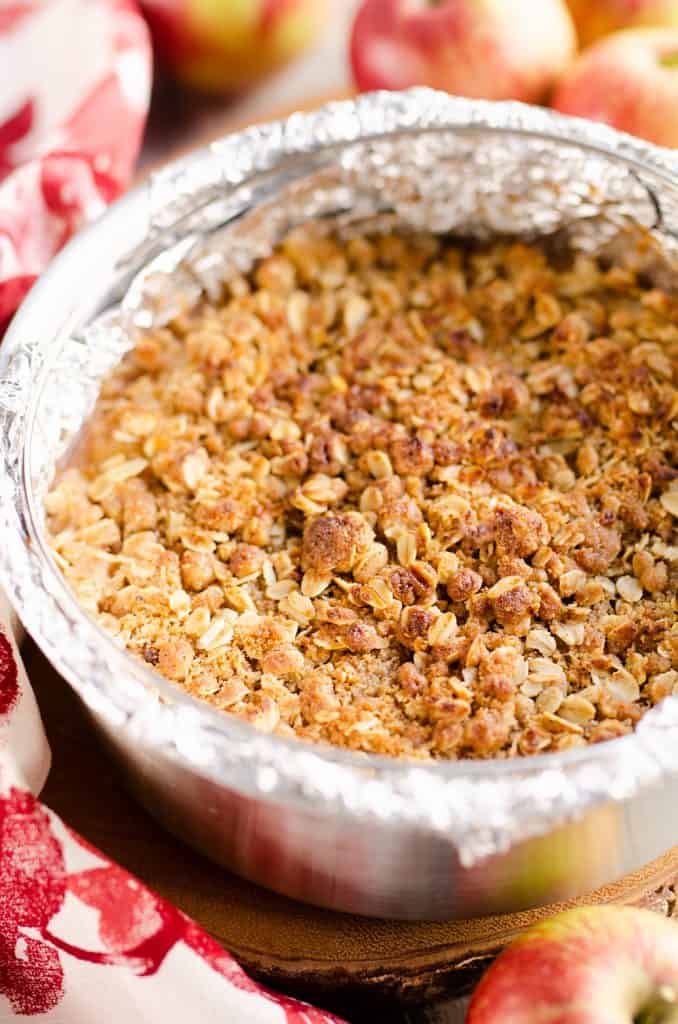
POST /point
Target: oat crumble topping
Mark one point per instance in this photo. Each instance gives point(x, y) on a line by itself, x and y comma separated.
point(397, 494)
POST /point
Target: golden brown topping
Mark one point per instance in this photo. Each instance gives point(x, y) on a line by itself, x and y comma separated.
point(197, 570)
point(174, 658)
point(620, 632)
point(602, 545)
point(397, 494)
point(361, 637)
point(246, 560)
point(328, 454)
point(652, 576)
point(411, 456)
point(462, 584)
point(410, 679)
point(512, 600)
point(283, 660)
point(519, 531)
point(487, 732)
point(550, 605)
point(333, 543)
point(414, 625)
point(223, 516)
point(139, 507)
point(413, 585)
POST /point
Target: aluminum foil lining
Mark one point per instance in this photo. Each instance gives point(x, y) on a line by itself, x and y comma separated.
point(416, 160)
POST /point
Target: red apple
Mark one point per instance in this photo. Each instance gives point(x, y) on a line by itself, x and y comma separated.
point(593, 965)
point(597, 18)
point(223, 45)
point(629, 80)
point(488, 49)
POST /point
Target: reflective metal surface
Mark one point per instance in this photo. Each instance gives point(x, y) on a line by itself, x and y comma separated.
point(353, 832)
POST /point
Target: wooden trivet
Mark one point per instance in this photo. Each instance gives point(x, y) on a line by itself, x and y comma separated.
point(336, 960)
point(317, 953)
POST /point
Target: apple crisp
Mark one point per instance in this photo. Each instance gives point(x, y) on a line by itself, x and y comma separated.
point(399, 494)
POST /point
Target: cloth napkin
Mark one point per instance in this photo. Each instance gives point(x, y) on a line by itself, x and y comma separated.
point(81, 940)
point(75, 79)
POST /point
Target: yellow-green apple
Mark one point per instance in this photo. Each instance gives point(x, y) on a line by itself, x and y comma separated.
point(629, 80)
point(596, 18)
point(592, 965)
point(223, 45)
point(487, 49)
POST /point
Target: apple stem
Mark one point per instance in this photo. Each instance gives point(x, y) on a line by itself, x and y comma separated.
point(663, 1009)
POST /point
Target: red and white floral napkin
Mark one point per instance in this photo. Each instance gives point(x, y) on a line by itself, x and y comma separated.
point(81, 940)
point(75, 80)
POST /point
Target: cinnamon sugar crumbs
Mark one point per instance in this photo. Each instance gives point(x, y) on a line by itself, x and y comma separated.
point(395, 494)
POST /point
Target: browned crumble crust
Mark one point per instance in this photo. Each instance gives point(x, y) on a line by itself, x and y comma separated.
point(398, 495)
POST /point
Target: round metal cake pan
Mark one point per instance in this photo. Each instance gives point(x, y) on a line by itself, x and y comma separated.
point(355, 833)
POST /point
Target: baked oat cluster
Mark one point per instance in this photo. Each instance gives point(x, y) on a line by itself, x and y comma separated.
point(397, 494)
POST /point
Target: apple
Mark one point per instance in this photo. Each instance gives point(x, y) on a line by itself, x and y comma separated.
point(592, 965)
point(596, 18)
point(629, 80)
point(221, 46)
point(487, 49)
